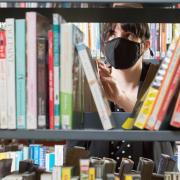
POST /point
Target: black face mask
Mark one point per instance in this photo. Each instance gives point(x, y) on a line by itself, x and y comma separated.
point(122, 53)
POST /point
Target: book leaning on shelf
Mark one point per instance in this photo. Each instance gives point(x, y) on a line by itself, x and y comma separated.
point(101, 102)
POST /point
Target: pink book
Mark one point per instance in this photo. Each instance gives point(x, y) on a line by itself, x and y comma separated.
point(37, 25)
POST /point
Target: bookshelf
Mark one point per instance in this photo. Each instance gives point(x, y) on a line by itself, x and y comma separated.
point(163, 15)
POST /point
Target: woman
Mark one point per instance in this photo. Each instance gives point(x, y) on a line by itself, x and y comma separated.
point(122, 75)
point(124, 45)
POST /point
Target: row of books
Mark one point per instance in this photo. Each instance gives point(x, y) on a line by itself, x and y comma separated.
point(83, 167)
point(52, 5)
point(68, 5)
point(159, 106)
point(45, 157)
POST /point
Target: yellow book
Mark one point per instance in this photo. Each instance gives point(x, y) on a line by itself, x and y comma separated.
point(91, 173)
point(146, 108)
point(128, 177)
point(66, 173)
point(4, 155)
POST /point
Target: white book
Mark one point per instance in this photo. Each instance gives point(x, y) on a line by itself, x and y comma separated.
point(100, 100)
point(3, 82)
point(12, 155)
point(11, 84)
point(46, 176)
point(59, 155)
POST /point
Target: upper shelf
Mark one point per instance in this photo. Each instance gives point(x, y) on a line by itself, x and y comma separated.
point(100, 1)
point(126, 15)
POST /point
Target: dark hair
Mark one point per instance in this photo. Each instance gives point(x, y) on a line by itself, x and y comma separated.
point(140, 30)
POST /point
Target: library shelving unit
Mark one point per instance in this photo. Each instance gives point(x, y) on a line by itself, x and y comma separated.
point(153, 11)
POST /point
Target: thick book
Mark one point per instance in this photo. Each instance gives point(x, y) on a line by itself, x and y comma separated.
point(3, 81)
point(97, 91)
point(37, 25)
point(11, 83)
point(21, 73)
point(70, 78)
point(42, 82)
point(175, 120)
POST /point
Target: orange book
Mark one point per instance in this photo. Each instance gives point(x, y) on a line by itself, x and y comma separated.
point(175, 120)
point(163, 43)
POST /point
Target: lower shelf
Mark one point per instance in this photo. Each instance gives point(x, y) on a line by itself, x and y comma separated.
point(58, 135)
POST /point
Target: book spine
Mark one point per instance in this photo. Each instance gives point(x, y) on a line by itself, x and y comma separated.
point(84, 169)
point(67, 53)
point(66, 173)
point(47, 162)
point(169, 94)
point(175, 120)
point(21, 73)
point(163, 39)
point(153, 36)
point(3, 81)
point(169, 33)
point(51, 161)
point(25, 153)
point(168, 76)
point(11, 85)
point(59, 155)
point(31, 19)
point(42, 157)
point(157, 53)
point(36, 153)
point(51, 79)
point(56, 37)
point(12, 156)
point(147, 107)
point(101, 104)
point(42, 82)
point(19, 157)
point(92, 174)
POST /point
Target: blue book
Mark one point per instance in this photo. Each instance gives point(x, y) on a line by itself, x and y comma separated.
point(31, 151)
point(51, 161)
point(42, 157)
point(21, 73)
point(36, 153)
point(19, 157)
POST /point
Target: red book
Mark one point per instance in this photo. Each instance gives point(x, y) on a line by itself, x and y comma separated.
point(175, 120)
point(51, 79)
point(169, 94)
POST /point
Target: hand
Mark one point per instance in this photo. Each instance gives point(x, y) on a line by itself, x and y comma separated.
point(110, 84)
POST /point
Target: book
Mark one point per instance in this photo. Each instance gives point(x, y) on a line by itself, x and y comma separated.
point(175, 120)
point(92, 173)
point(173, 85)
point(84, 169)
point(70, 74)
point(46, 176)
point(37, 25)
point(11, 83)
point(42, 82)
point(51, 79)
point(66, 173)
point(101, 102)
point(3, 81)
point(57, 20)
point(20, 73)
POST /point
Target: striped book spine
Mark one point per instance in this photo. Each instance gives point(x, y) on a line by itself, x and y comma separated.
point(21, 73)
